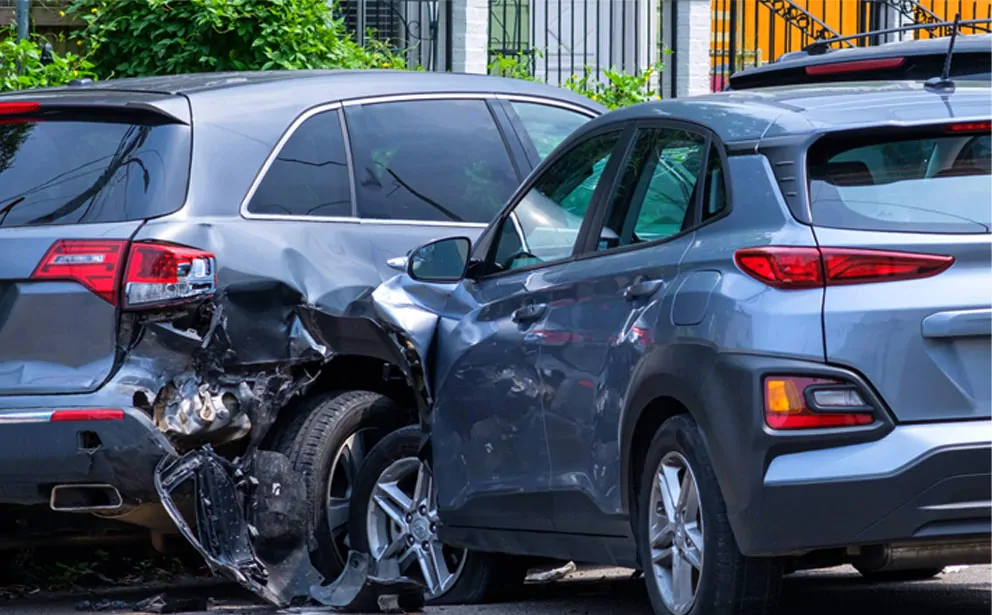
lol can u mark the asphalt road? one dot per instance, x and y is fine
(610, 592)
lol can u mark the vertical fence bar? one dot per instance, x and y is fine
(637, 37)
(674, 29)
(547, 41)
(757, 47)
(732, 54)
(558, 3)
(571, 42)
(599, 39)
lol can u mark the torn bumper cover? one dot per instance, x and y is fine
(251, 528)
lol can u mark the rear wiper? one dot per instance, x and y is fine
(8, 207)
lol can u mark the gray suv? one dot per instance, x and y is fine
(717, 339)
(182, 261)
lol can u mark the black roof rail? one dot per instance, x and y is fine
(823, 45)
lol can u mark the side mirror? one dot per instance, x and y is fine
(444, 260)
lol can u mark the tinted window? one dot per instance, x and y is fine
(309, 176)
(432, 160)
(931, 183)
(544, 225)
(656, 191)
(71, 169)
(547, 126)
(715, 188)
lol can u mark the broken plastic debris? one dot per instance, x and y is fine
(359, 590)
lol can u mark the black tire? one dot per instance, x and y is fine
(320, 426)
(729, 583)
(900, 576)
(484, 575)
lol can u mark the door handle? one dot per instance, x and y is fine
(529, 313)
(642, 288)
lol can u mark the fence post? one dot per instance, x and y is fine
(688, 30)
(469, 36)
(23, 11)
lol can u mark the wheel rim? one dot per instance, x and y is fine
(402, 525)
(675, 523)
(340, 481)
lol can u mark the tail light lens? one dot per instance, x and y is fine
(157, 274)
(799, 402)
(87, 414)
(94, 263)
(18, 107)
(809, 267)
(162, 274)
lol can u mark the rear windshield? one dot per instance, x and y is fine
(72, 169)
(930, 183)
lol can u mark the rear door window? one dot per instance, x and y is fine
(430, 160)
(546, 125)
(926, 183)
(81, 168)
(309, 176)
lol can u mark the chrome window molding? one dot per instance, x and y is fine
(337, 106)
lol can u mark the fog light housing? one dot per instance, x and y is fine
(804, 402)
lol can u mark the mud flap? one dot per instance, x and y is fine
(250, 527)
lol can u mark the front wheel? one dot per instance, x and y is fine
(690, 558)
(394, 519)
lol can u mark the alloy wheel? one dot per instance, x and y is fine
(402, 525)
(675, 526)
(340, 482)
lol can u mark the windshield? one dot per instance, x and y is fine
(71, 170)
(934, 183)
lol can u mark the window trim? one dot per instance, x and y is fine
(621, 150)
(517, 124)
(712, 141)
(371, 100)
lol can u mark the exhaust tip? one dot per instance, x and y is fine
(85, 498)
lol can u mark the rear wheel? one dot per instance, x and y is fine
(327, 443)
(691, 562)
(394, 519)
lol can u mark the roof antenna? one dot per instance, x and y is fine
(944, 81)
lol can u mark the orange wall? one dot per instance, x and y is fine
(760, 30)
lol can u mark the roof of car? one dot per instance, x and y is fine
(971, 43)
(311, 87)
(749, 115)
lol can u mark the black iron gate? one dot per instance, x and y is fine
(410, 26)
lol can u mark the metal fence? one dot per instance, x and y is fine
(749, 33)
(561, 38)
(414, 27)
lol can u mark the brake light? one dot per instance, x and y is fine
(88, 414)
(162, 274)
(157, 273)
(969, 127)
(796, 268)
(16, 108)
(839, 68)
(94, 263)
(837, 404)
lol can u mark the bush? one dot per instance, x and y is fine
(131, 38)
(35, 73)
(619, 89)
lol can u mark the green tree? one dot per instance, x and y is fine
(131, 38)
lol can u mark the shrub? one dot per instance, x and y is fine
(130, 38)
(35, 72)
(618, 90)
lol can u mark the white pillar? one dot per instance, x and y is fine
(469, 36)
(690, 40)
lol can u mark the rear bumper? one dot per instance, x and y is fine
(789, 493)
(920, 482)
(36, 454)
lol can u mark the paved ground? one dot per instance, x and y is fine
(609, 592)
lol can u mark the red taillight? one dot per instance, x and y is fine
(786, 405)
(838, 68)
(960, 127)
(794, 268)
(87, 414)
(162, 274)
(157, 273)
(94, 263)
(16, 108)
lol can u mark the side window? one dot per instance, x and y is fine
(309, 176)
(429, 160)
(715, 189)
(546, 125)
(657, 188)
(544, 225)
